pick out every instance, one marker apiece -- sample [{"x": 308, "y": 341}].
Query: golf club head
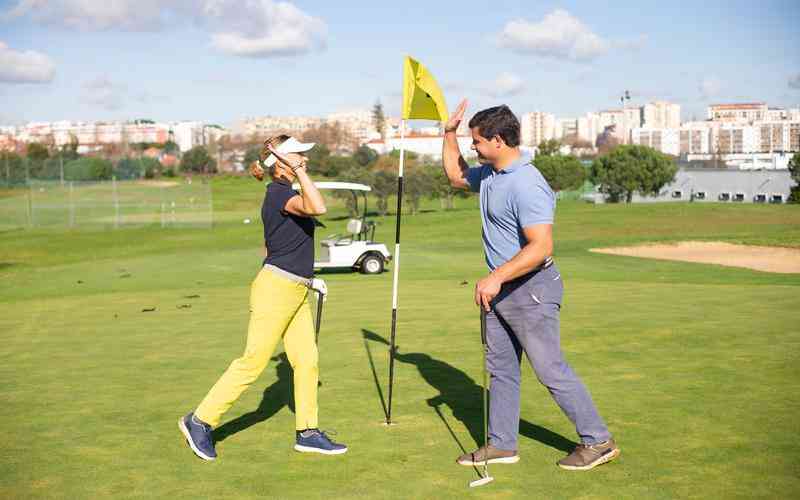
[{"x": 481, "y": 481}]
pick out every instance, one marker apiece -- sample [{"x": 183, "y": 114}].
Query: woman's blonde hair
[{"x": 256, "y": 168}]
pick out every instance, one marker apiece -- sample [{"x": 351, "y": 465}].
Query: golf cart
[{"x": 356, "y": 249}]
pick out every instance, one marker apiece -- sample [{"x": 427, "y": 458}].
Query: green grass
[{"x": 696, "y": 368}]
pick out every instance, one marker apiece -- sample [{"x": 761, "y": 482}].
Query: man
[{"x": 522, "y": 293}]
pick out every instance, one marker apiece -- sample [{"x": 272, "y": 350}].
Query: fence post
[
  {"x": 163, "y": 208},
  {"x": 30, "y": 206},
  {"x": 116, "y": 201},
  {"x": 71, "y": 205},
  {"x": 210, "y": 206}
]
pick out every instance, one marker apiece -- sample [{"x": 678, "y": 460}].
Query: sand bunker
[
  {"x": 165, "y": 184},
  {"x": 768, "y": 259}
]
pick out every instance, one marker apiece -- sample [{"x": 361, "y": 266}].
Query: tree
[
  {"x": 384, "y": 185},
  {"x": 378, "y": 118},
  {"x": 252, "y": 154},
  {"x": 332, "y": 135},
  {"x": 198, "y": 160},
  {"x": 37, "y": 152},
  {"x": 365, "y": 155},
  {"x": 12, "y": 167},
  {"x": 417, "y": 184},
  {"x": 794, "y": 170},
  {"x": 441, "y": 188},
  {"x": 549, "y": 147},
  {"x": 88, "y": 169},
  {"x": 563, "y": 173},
  {"x": 318, "y": 158},
  {"x": 632, "y": 168}
]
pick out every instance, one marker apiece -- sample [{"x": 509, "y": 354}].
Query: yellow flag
[{"x": 422, "y": 97}]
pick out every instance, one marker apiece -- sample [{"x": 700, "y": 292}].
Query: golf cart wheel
[{"x": 372, "y": 264}]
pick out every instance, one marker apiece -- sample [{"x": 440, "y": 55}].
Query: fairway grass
[{"x": 695, "y": 367}]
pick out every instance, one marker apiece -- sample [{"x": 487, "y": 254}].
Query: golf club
[
  {"x": 486, "y": 477},
  {"x": 318, "y": 319}
]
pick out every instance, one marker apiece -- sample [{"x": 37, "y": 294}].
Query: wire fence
[{"x": 110, "y": 204}]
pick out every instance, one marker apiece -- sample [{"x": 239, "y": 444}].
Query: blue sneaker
[
  {"x": 198, "y": 435},
  {"x": 316, "y": 441}
]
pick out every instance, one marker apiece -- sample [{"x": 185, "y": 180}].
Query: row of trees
[
  {"x": 64, "y": 163},
  {"x": 619, "y": 173}
]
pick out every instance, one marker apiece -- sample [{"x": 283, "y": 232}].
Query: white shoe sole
[
  {"x": 186, "y": 434},
  {"x": 504, "y": 460},
  {"x": 309, "y": 449},
  {"x": 600, "y": 461}
]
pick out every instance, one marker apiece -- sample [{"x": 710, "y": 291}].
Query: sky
[{"x": 223, "y": 60}]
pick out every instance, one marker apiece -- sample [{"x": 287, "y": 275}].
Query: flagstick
[{"x": 396, "y": 268}]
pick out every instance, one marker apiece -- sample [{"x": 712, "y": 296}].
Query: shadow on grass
[
  {"x": 462, "y": 395},
  {"x": 280, "y": 393}
]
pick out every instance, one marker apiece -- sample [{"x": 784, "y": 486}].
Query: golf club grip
[{"x": 483, "y": 326}]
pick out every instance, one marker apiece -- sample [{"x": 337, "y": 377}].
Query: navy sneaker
[
  {"x": 316, "y": 441},
  {"x": 198, "y": 435}
]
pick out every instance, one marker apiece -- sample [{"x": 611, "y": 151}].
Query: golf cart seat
[{"x": 354, "y": 226}]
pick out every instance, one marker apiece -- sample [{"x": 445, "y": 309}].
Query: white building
[
  {"x": 358, "y": 123},
  {"x": 666, "y": 140},
  {"x": 738, "y": 112},
  {"x": 536, "y": 127},
  {"x": 566, "y": 127},
  {"x": 660, "y": 115}
]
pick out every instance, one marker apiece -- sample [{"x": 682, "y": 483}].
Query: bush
[{"x": 136, "y": 168}]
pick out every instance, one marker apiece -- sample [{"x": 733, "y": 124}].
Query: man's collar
[
  {"x": 524, "y": 159},
  {"x": 282, "y": 181}
]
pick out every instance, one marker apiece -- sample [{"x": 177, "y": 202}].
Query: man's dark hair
[{"x": 499, "y": 121}]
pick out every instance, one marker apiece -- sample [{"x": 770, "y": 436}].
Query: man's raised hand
[{"x": 456, "y": 117}]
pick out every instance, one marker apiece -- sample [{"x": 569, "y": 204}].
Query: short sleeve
[
  {"x": 535, "y": 203},
  {"x": 474, "y": 178}
]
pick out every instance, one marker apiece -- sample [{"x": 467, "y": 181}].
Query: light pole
[{"x": 625, "y": 96}]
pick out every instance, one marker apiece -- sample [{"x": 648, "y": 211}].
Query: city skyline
[{"x": 222, "y": 61}]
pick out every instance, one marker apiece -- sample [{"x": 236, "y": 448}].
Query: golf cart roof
[{"x": 349, "y": 186}]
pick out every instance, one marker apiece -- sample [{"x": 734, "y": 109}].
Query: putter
[{"x": 486, "y": 477}]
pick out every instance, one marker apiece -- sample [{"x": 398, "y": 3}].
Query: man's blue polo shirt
[{"x": 511, "y": 199}]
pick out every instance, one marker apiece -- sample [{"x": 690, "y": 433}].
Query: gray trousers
[{"x": 525, "y": 317}]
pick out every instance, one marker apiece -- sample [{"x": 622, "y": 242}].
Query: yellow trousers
[{"x": 279, "y": 308}]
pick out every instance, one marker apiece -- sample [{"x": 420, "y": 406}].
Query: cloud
[
  {"x": 559, "y": 35},
  {"x": 794, "y": 81},
  {"x": 709, "y": 87},
  {"x": 25, "y": 67},
  {"x": 249, "y": 28},
  {"x": 129, "y": 15},
  {"x": 506, "y": 84},
  {"x": 263, "y": 28},
  {"x": 104, "y": 93}
]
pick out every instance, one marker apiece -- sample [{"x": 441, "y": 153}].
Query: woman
[{"x": 279, "y": 306}]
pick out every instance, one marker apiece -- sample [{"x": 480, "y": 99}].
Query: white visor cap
[{"x": 290, "y": 145}]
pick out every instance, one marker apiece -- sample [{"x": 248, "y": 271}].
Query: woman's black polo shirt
[{"x": 289, "y": 238}]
